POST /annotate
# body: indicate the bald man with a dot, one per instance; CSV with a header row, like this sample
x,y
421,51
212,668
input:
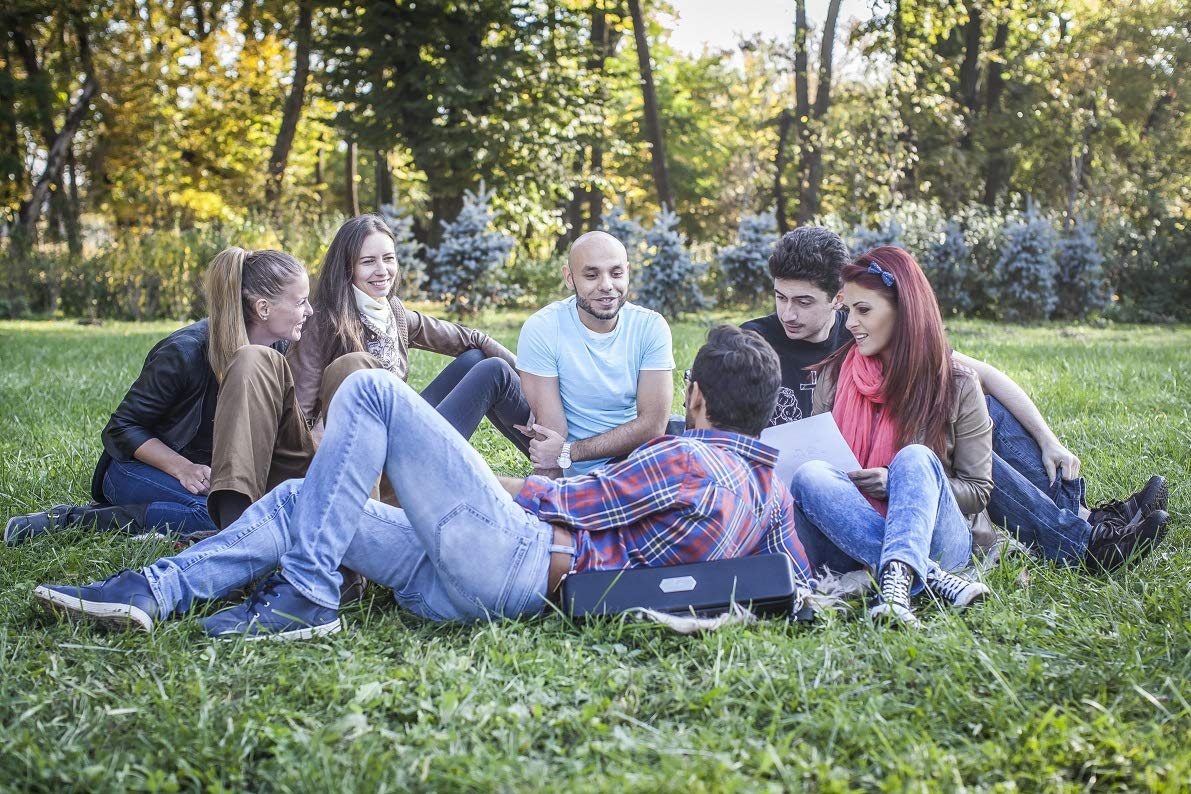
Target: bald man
x,y
593,375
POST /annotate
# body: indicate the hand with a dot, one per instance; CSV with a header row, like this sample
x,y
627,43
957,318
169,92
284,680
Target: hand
x,y
195,478
527,428
871,482
1056,456
545,449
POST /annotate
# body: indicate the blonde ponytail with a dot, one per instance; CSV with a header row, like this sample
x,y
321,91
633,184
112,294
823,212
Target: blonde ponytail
x,y
235,280
228,330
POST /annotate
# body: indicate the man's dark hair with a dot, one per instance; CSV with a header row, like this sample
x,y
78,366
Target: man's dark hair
x,y
739,376
810,253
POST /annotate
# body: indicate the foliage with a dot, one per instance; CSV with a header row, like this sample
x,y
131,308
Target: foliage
x,y
409,250
745,266
669,282
1026,268
630,233
946,262
1080,283
467,269
1151,269
1060,681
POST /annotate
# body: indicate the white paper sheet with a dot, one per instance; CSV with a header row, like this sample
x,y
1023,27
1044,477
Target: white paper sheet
x,y
813,438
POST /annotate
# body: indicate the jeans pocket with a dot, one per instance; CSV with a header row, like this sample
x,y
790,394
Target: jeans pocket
x,y
478,557
415,602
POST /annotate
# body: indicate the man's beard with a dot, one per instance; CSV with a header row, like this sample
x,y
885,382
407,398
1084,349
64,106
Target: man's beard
x,y
586,306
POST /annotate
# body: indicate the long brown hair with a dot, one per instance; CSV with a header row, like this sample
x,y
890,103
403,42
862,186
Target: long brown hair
x,y
334,304
236,279
919,390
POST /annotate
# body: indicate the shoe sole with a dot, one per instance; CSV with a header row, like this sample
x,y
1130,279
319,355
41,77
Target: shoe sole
x,y
123,616
886,613
308,633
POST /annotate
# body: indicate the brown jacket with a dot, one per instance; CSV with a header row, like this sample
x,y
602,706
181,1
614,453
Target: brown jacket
x,y
312,353
967,457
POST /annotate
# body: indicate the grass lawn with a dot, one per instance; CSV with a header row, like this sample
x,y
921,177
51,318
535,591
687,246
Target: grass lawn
x,y
1061,682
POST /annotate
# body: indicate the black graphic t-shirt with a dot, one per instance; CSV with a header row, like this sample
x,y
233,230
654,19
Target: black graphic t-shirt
x,y
794,399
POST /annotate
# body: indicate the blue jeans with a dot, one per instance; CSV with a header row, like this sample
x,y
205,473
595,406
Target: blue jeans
x,y
459,548
842,532
170,507
1044,515
472,387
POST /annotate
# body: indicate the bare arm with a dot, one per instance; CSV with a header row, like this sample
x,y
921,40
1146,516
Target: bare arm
x,y
655,393
511,484
194,477
1003,388
545,408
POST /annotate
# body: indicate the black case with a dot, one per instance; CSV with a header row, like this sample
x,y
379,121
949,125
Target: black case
x,y
764,583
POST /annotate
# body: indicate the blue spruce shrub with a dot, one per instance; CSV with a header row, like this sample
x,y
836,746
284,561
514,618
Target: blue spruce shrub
x,y
1026,268
887,232
1081,283
745,266
468,266
947,262
409,251
669,281
618,224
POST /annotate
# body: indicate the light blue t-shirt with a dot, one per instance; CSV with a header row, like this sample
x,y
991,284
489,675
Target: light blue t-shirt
x,y
597,373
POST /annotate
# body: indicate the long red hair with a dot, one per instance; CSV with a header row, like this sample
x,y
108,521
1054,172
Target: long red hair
x,y
919,391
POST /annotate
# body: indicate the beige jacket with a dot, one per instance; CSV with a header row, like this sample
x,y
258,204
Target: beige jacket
x,y
967,457
312,353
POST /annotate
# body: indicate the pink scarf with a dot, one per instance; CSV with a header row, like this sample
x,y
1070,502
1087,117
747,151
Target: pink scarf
x,y
858,410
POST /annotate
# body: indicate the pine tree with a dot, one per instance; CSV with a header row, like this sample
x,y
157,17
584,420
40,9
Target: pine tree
x,y
888,232
669,281
947,264
746,265
1080,280
468,266
618,224
1026,267
409,250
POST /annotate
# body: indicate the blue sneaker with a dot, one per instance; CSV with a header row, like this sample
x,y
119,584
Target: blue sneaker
x,y
275,611
123,601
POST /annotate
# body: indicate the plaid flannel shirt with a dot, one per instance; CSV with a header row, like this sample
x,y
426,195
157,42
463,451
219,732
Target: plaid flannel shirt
x,y
704,495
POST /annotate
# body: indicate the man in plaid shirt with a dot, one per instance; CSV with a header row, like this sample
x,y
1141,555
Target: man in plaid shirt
x,y
466,545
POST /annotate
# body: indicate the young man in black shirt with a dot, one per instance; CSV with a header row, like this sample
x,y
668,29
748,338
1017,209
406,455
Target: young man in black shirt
x,y
1037,489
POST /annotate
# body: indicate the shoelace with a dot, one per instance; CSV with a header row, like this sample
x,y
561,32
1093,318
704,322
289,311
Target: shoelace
x,y
895,587
268,588
948,585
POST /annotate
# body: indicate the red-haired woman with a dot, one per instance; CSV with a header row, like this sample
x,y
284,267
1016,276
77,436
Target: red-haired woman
x,y
918,424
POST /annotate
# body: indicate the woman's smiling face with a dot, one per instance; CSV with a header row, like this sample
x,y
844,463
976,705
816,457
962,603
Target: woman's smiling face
x,y
375,272
871,318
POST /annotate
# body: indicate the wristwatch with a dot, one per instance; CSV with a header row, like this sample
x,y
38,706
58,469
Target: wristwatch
x,y
564,457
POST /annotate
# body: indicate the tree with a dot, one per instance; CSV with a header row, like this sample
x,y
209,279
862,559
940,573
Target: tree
x,y
653,120
669,281
745,266
467,268
1026,268
293,103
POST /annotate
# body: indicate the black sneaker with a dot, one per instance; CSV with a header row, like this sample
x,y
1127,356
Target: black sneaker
x,y
955,590
1150,498
1114,544
893,600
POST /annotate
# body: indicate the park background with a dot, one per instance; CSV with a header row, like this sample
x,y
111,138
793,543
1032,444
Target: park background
x,y
1034,156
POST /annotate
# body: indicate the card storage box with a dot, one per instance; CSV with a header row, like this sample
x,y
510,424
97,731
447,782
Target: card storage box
x,y
764,583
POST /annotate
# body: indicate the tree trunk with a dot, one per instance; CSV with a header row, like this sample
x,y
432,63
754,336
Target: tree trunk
x,y
812,154
784,120
384,179
653,119
70,202
351,199
320,179
56,158
969,72
293,105
1079,162
997,167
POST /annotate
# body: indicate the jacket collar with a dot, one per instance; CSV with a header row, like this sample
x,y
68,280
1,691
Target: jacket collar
x,y
745,446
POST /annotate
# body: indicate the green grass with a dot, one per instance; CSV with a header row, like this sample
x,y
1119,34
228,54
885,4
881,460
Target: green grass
x,y
1061,683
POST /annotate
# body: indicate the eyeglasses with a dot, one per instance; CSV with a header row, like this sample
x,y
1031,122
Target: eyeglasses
x,y
686,377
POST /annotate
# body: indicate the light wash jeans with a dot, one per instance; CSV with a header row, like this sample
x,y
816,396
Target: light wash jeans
x,y
459,549
1042,514
841,531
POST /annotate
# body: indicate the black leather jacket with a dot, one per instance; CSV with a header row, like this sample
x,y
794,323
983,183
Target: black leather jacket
x,y
166,401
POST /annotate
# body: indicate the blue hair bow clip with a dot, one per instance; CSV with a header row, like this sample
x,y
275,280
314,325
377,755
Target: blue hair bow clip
x,y
885,275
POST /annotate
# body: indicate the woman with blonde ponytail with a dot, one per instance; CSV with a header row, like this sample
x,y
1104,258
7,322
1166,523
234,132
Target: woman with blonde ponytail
x,y
161,445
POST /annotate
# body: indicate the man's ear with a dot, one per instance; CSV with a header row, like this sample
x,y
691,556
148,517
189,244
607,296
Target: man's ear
x,y
696,401
567,278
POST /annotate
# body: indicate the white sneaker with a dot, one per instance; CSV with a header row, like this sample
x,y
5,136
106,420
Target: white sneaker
x,y
893,600
955,590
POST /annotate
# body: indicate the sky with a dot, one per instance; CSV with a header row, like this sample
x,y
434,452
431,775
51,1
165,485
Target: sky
x,y
720,23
